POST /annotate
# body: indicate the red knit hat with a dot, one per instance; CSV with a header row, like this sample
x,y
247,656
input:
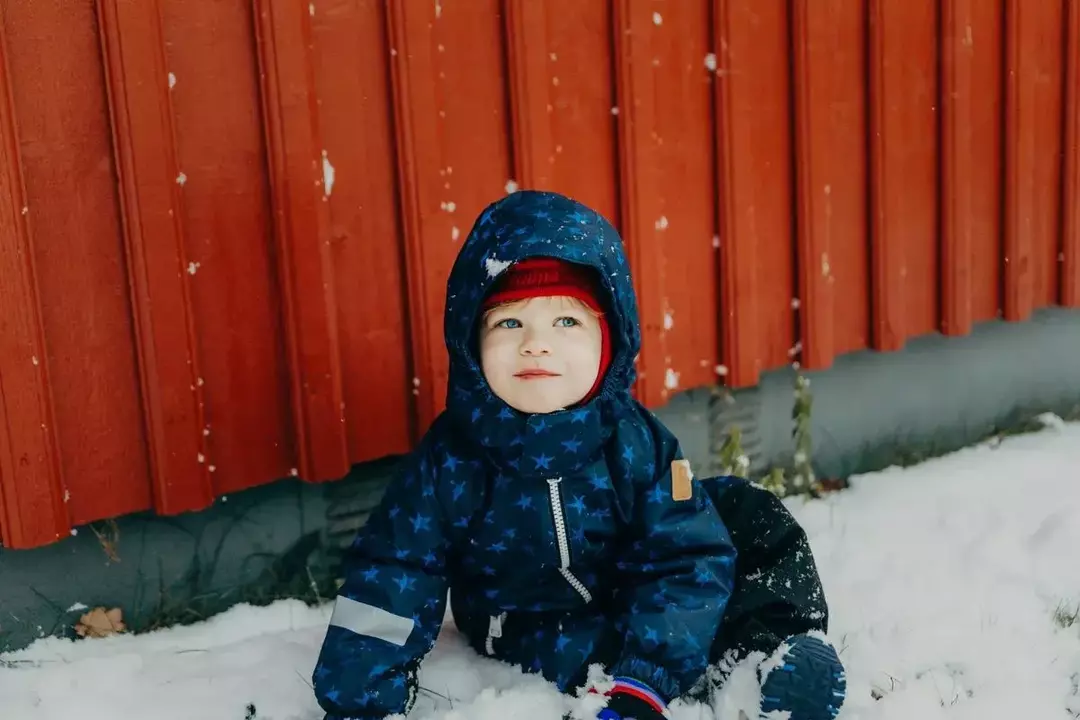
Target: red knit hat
x,y
551,277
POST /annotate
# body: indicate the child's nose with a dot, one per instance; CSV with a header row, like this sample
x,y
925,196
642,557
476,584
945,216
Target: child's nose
x,y
535,344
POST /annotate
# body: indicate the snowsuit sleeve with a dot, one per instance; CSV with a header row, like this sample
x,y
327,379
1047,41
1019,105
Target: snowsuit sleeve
x,y
675,580
389,610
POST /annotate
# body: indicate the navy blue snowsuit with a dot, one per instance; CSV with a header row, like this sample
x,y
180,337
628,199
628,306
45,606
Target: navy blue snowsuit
x,y
556,535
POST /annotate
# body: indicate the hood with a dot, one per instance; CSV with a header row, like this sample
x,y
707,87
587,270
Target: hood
x,y
522,225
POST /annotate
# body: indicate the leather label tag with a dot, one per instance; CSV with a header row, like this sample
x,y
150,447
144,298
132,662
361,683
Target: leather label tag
x,y
682,478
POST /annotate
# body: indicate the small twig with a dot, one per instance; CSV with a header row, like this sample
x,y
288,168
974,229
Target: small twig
x,y
303,679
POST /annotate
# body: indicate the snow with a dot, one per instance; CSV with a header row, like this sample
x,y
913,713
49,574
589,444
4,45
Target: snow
x,y
328,175
495,266
943,580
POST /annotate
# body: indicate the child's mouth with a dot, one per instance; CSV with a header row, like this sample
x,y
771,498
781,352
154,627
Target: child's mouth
x,y
535,374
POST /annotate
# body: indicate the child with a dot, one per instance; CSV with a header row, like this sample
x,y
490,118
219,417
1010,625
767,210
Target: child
x,y
555,509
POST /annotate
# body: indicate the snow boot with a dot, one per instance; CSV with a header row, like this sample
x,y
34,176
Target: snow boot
x,y
809,683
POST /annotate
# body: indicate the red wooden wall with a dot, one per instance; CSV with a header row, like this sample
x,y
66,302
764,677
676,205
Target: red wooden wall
x,y
225,227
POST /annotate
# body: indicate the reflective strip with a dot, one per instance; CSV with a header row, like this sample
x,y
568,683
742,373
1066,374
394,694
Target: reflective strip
x,y
364,619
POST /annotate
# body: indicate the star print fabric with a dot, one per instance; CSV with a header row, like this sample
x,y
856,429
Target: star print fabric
x,y
556,535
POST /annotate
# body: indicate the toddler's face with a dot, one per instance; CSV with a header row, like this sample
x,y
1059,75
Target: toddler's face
x,y
542,354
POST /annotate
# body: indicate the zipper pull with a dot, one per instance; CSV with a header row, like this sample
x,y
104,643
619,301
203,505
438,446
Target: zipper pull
x,y
495,625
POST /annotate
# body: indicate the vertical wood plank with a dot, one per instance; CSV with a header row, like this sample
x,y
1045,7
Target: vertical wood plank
x,y
352,57
640,191
1033,145
527,47
903,169
668,189
213,65
57,82
452,130
1070,254
32,510
299,190
831,196
562,99
754,153
971,163
150,187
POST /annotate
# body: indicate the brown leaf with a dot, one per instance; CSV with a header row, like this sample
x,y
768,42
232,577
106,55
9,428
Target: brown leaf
x,y
99,623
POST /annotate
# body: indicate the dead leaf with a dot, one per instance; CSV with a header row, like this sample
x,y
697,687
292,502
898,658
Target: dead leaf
x,y
99,623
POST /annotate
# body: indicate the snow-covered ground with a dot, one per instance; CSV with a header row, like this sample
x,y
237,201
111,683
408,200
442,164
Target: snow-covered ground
x,y
943,581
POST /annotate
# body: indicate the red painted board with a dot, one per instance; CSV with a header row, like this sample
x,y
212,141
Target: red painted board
x,y
57,85
1033,144
215,97
150,186
832,244
299,184
452,130
563,112
32,510
352,80
903,99
1070,253
971,163
755,176
668,189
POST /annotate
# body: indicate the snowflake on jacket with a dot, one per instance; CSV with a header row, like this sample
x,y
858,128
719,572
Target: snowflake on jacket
x,y
556,534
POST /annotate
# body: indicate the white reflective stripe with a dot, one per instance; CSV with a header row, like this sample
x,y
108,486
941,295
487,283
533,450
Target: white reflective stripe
x,y
364,619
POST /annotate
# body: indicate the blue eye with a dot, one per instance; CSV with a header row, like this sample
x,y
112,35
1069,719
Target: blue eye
x,y
566,322
509,323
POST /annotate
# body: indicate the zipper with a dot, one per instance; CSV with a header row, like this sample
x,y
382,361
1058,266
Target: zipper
x,y
563,540
495,623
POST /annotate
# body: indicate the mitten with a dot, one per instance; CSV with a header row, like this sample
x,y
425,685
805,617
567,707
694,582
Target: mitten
x,y
628,707
632,700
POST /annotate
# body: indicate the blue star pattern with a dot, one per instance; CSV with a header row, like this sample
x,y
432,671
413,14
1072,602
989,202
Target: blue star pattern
x,y
494,504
